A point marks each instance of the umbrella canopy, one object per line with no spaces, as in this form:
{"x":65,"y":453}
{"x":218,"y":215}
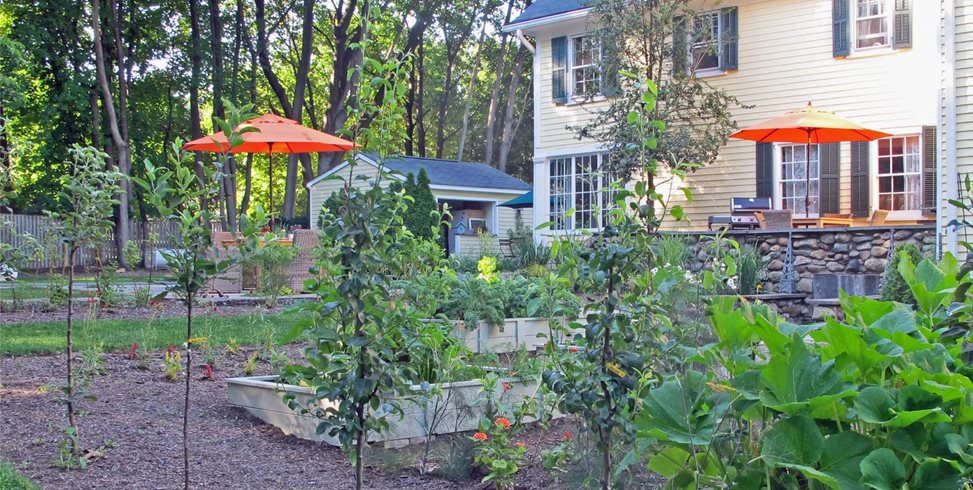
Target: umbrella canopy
{"x":276,"y":135}
{"x":520,"y":202}
{"x":809,"y":126}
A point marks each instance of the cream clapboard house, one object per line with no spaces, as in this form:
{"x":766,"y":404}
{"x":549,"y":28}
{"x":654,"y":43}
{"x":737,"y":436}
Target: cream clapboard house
{"x":877,"y":62}
{"x":473,"y":192}
{"x":956,"y":114}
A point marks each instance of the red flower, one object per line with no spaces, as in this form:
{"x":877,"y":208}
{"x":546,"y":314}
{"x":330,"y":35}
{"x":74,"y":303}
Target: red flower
{"x":480,"y":436}
{"x":100,"y":292}
{"x":566,"y":435}
{"x":135,"y":347}
{"x":207,"y":371}
{"x":507,"y":387}
{"x":503,"y":422}
{"x":170,"y":350}
{"x":92,"y":300}
{"x":520,"y":444}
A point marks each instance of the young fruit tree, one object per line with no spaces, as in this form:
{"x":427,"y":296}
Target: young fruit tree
{"x":89,"y":194}
{"x":177,"y":194}
{"x":359,"y":357}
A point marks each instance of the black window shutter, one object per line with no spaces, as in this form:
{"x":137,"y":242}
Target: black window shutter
{"x":829,"y":194}
{"x":860,"y":200}
{"x":680,"y":48}
{"x":929,"y":159}
{"x":730,"y":34}
{"x":765,"y":170}
{"x":840,"y":10}
{"x":902,"y":24}
{"x":559,"y":64}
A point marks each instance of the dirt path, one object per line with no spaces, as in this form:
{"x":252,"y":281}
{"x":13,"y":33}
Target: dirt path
{"x":140,"y":413}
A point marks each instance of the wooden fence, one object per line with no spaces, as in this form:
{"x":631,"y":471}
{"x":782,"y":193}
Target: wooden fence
{"x":39,"y":227}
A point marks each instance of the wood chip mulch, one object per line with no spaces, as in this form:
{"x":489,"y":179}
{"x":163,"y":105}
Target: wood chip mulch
{"x":140,"y":413}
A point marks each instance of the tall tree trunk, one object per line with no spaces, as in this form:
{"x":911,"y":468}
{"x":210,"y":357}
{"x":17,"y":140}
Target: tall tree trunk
{"x":297,"y":109}
{"x":237,"y":46}
{"x":194,"y":83}
{"x":228,"y":181}
{"x":495,"y":95}
{"x":506,"y":140}
{"x":348,"y":56}
{"x":121,"y":144}
{"x":470,"y":86}
{"x":263,"y":55}
{"x":124,"y":157}
{"x":95,"y":119}
{"x":420,"y":102}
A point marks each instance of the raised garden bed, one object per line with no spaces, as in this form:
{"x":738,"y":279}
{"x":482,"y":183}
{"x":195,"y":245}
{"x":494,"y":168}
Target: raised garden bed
{"x":457,"y":409}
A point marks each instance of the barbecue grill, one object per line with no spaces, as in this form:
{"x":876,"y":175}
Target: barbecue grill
{"x":742,"y":213}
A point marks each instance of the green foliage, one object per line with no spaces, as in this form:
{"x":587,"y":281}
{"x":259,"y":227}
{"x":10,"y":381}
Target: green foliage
{"x":272,"y":259}
{"x":750,"y":268}
{"x":895,"y":288}
{"x":11,"y":480}
{"x":422,"y":218}
{"x":878,"y":400}
{"x":672,"y":250}
{"x":696,"y":113}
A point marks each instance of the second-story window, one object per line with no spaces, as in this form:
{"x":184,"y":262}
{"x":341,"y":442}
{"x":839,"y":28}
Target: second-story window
{"x":705,"y":52}
{"x":585,"y":74}
{"x":872,"y":21}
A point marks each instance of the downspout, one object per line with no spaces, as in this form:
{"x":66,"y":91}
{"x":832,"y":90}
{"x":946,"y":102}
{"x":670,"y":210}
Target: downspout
{"x":948,"y":133}
{"x":524,"y":41}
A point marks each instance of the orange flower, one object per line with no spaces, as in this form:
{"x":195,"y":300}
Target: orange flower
{"x":503,"y":422}
{"x":520,"y":444}
{"x":507,"y":387}
{"x":480,"y":436}
{"x":566,"y":435}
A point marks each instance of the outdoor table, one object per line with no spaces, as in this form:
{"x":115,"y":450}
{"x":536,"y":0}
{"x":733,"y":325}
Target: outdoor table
{"x":821,"y":222}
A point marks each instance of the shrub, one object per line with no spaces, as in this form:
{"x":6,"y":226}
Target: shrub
{"x":671,"y":249}
{"x":11,"y":480}
{"x":895,"y":288}
{"x":750,"y":268}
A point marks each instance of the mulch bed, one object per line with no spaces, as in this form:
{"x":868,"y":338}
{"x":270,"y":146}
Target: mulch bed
{"x":141,"y":414}
{"x":34,"y":312}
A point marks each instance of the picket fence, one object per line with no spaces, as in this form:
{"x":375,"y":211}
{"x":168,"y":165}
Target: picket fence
{"x":39,"y":227}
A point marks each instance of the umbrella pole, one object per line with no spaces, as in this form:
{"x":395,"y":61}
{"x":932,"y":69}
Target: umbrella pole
{"x":807,"y":177}
{"x":270,"y":158}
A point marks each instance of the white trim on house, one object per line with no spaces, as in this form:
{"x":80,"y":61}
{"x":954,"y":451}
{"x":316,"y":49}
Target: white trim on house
{"x":490,"y":190}
{"x":550,"y":19}
{"x":946,"y":237}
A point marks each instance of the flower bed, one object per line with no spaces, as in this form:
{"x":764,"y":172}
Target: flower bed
{"x":456,"y":409}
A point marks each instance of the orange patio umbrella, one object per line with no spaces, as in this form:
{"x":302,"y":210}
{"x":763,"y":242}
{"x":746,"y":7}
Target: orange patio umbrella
{"x":274,"y":134}
{"x":808,"y":126}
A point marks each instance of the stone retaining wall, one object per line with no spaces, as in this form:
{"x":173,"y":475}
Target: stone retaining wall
{"x":862,"y":250}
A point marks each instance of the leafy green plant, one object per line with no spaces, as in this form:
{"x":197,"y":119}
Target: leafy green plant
{"x":497,"y":453}
{"x":56,"y":292}
{"x":107,"y":286}
{"x":176,"y":192}
{"x":474,"y":300}
{"x":11,"y":480}
{"x":877,"y":400}
{"x":272,"y":259}
{"x":750,"y":267}
{"x":671,"y":249}
{"x":251,"y":365}
{"x":894,"y":287}
{"x":172,"y":364}
{"x":89,"y":191}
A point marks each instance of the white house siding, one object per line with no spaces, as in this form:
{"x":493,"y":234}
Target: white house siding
{"x":322,"y":190}
{"x":785,"y":61}
{"x":956,"y":121}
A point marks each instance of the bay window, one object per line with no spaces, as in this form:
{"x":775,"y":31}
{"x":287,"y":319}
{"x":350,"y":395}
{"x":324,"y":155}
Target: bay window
{"x":579,"y":183}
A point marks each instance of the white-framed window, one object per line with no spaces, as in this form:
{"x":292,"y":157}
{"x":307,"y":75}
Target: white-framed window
{"x":795,"y":181}
{"x":900,"y":173}
{"x":585,"y":53}
{"x":872,"y":24}
{"x":705,"y":45}
{"x":479,"y":225}
{"x":579,"y":183}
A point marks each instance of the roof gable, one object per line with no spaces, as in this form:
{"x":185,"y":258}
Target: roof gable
{"x":548,"y":8}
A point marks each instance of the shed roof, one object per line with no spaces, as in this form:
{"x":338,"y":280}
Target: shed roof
{"x":547,"y":8}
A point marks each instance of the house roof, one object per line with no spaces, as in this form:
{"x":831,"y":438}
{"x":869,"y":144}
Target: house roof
{"x":457,"y":174}
{"x":445,"y":173}
{"x":547,"y":8}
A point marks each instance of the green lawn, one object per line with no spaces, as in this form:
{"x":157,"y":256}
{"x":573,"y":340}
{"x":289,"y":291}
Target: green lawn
{"x":46,"y":337}
{"x":11,"y":480}
{"x":30,"y":291}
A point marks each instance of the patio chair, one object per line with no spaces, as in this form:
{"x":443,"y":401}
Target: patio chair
{"x":879,"y":217}
{"x":231,"y":281}
{"x":775,"y":219}
{"x":299,"y":270}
